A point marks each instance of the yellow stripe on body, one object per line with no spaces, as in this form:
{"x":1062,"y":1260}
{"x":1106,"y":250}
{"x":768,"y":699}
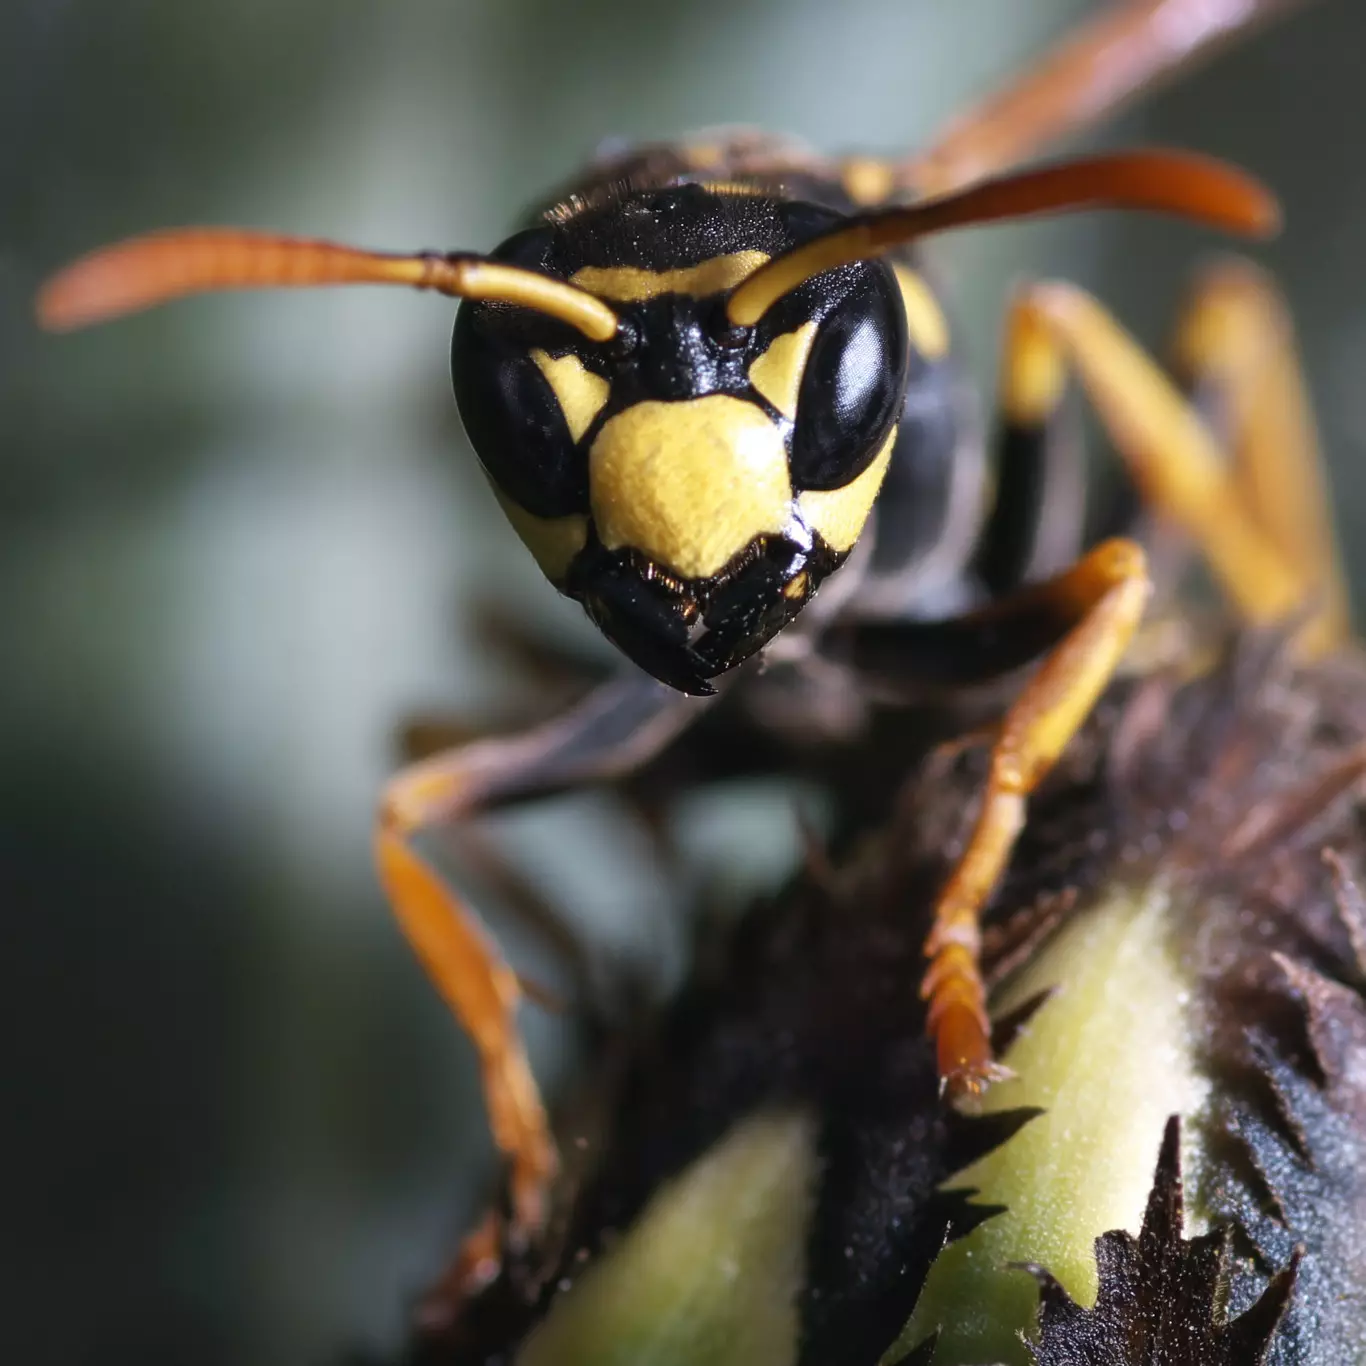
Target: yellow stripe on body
{"x":925,"y":322}
{"x":633,"y":285}
{"x":867,"y":181}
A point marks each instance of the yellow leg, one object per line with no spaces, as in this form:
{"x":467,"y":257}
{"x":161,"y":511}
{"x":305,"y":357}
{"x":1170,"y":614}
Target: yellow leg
{"x":1235,"y":353}
{"x":1169,"y":450}
{"x":1105,"y":593}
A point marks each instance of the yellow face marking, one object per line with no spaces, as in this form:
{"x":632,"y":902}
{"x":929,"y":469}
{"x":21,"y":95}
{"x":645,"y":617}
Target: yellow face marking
{"x":796,"y":588}
{"x":866,"y":180}
{"x":579,"y":392}
{"x":632,"y":285}
{"x":777,"y":374}
{"x":925,"y":321}
{"x":689,"y":484}
{"x":839,"y":515}
{"x":554,"y":541}
{"x":710,"y":1271}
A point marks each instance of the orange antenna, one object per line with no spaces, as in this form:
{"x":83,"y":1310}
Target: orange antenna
{"x":1179,"y":183}
{"x":149,"y":270}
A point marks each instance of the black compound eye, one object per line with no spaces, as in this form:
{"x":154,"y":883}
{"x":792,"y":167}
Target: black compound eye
{"x":516,"y":424}
{"x":852,"y":386}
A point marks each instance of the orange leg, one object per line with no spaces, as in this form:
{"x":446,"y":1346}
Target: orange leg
{"x":476,"y":983}
{"x":475,"y":1267}
{"x":615,"y":729}
{"x":1182,"y":474}
{"x":1107,"y":591}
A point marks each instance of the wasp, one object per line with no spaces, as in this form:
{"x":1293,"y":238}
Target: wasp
{"x":718,"y":399}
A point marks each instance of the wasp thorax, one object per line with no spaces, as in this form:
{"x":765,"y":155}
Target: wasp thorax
{"x":690,"y":482}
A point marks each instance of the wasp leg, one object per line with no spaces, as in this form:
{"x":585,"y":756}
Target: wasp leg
{"x":1235,"y":355}
{"x":422,"y":735}
{"x":1116,"y":54}
{"x":1175,"y":461}
{"x":1038,"y":513}
{"x":1105,"y":592}
{"x":1170,"y":453}
{"x":473,"y":1268}
{"x":615,"y":729}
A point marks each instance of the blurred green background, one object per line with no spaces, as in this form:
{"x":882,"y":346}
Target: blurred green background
{"x":239,"y":537}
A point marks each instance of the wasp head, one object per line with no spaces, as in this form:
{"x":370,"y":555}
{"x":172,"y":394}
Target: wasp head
{"x":689,"y":481}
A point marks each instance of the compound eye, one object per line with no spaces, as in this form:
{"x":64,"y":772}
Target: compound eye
{"x":517,"y":420}
{"x":852,"y":386}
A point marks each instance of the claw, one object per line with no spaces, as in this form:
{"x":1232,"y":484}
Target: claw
{"x":476,"y":1266}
